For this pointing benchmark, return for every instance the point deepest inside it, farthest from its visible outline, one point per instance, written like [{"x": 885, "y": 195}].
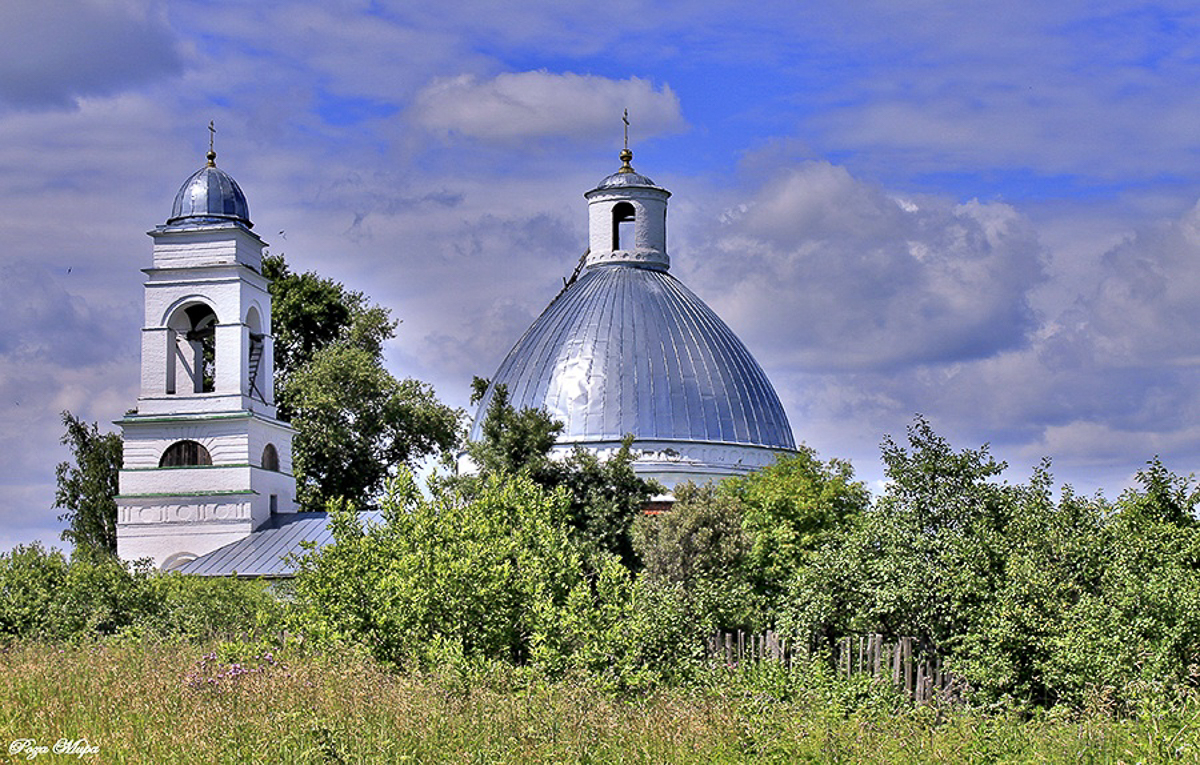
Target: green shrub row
[{"x": 46, "y": 596}]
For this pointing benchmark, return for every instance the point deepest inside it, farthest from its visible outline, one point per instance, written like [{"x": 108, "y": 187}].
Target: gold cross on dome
[{"x": 625, "y": 119}]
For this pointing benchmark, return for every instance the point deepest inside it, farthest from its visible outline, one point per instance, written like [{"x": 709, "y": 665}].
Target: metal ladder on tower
[{"x": 256, "y": 352}]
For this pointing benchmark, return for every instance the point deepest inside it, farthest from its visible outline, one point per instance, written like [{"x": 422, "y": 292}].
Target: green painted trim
[
  {"x": 205, "y": 467},
  {"x": 188, "y": 494},
  {"x": 155, "y": 419},
  {"x": 187, "y": 467}
]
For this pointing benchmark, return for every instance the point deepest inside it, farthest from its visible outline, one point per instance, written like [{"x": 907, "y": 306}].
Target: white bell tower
[{"x": 206, "y": 461}]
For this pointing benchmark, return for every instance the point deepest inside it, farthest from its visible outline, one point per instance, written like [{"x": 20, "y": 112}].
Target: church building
[
  {"x": 626, "y": 348},
  {"x": 207, "y": 485}
]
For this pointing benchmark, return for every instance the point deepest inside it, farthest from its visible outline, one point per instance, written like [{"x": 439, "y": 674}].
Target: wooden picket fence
[{"x": 907, "y": 663}]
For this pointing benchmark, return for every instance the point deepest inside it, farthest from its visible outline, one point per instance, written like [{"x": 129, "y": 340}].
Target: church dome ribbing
[
  {"x": 210, "y": 195},
  {"x": 627, "y": 348}
]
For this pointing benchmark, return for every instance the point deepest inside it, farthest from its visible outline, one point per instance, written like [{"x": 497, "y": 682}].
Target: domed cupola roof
[
  {"x": 627, "y": 348},
  {"x": 627, "y": 177},
  {"x": 632, "y": 350},
  {"x": 210, "y": 195}
]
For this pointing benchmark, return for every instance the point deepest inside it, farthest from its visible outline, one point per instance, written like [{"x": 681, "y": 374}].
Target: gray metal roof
[
  {"x": 626, "y": 179},
  {"x": 632, "y": 350},
  {"x": 210, "y": 194},
  {"x": 263, "y": 553}
]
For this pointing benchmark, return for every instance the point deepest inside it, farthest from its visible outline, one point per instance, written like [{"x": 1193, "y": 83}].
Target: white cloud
[
  {"x": 830, "y": 272},
  {"x": 521, "y": 105}
]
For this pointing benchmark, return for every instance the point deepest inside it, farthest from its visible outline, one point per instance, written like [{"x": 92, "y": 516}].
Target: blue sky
[{"x": 985, "y": 213}]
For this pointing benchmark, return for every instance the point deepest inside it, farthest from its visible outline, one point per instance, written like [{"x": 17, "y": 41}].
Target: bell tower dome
[{"x": 206, "y": 459}]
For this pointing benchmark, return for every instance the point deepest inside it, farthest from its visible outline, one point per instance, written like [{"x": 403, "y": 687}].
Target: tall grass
[{"x": 159, "y": 703}]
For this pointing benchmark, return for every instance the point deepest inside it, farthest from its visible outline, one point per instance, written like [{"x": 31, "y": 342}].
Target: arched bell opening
[
  {"x": 254, "y": 383},
  {"x": 192, "y": 367},
  {"x": 270, "y": 458},
  {"x": 623, "y": 220}
]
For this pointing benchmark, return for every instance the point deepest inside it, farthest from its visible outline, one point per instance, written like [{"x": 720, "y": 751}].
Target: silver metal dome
[
  {"x": 210, "y": 195},
  {"x": 627, "y": 178},
  {"x": 632, "y": 350}
]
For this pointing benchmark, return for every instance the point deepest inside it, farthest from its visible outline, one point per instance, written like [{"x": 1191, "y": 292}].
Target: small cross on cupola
[{"x": 212, "y": 153}]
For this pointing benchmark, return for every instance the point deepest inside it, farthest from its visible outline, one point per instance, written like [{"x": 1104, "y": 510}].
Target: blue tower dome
[{"x": 210, "y": 195}]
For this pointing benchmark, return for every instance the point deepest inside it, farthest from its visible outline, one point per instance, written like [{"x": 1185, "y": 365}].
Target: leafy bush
[
  {"x": 43, "y": 596},
  {"x": 1037, "y": 601},
  {"x": 485, "y": 578}
]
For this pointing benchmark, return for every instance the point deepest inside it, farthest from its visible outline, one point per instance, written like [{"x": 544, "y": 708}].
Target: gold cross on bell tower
[{"x": 212, "y": 135}]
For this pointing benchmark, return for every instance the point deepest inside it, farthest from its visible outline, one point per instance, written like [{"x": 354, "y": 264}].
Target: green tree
[
  {"x": 605, "y": 495},
  {"x": 925, "y": 560},
  {"x": 87, "y": 487},
  {"x": 310, "y": 312},
  {"x": 701, "y": 547},
  {"x": 1164, "y": 497},
  {"x": 512, "y": 441},
  {"x": 791, "y": 508},
  {"x": 355, "y": 422}
]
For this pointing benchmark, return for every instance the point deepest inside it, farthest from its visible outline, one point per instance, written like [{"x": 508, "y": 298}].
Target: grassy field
[{"x": 181, "y": 703}]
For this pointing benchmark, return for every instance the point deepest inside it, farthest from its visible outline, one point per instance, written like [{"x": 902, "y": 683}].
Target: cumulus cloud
[
  {"x": 1103, "y": 381},
  {"x": 54, "y": 53},
  {"x": 831, "y": 272},
  {"x": 540, "y": 104},
  {"x": 1147, "y": 304}
]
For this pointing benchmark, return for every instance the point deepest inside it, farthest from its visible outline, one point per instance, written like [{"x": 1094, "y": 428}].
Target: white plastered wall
[{"x": 649, "y": 230}]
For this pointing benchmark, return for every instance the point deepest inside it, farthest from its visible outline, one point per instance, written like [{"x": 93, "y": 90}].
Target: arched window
[
  {"x": 622, "y": 226},
  {"x": 270, "y": 458},
  {"x": 185, "y": 454}
]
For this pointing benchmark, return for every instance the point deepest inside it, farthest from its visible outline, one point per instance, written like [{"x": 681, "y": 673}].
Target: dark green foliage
[
  {"x": 736, "y": 547},
  {"x": 700, "y": 547},
  {"x": 606, "y": 496},
  {"x": 309, "y": 313},
  {"x": 514, "y": 441},
  {"x": 700, "y": 537},
  {"x": 1164, "y": 498},
  {"x": 354, "y": 421},
  {"x": 87, "y": 487}
]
